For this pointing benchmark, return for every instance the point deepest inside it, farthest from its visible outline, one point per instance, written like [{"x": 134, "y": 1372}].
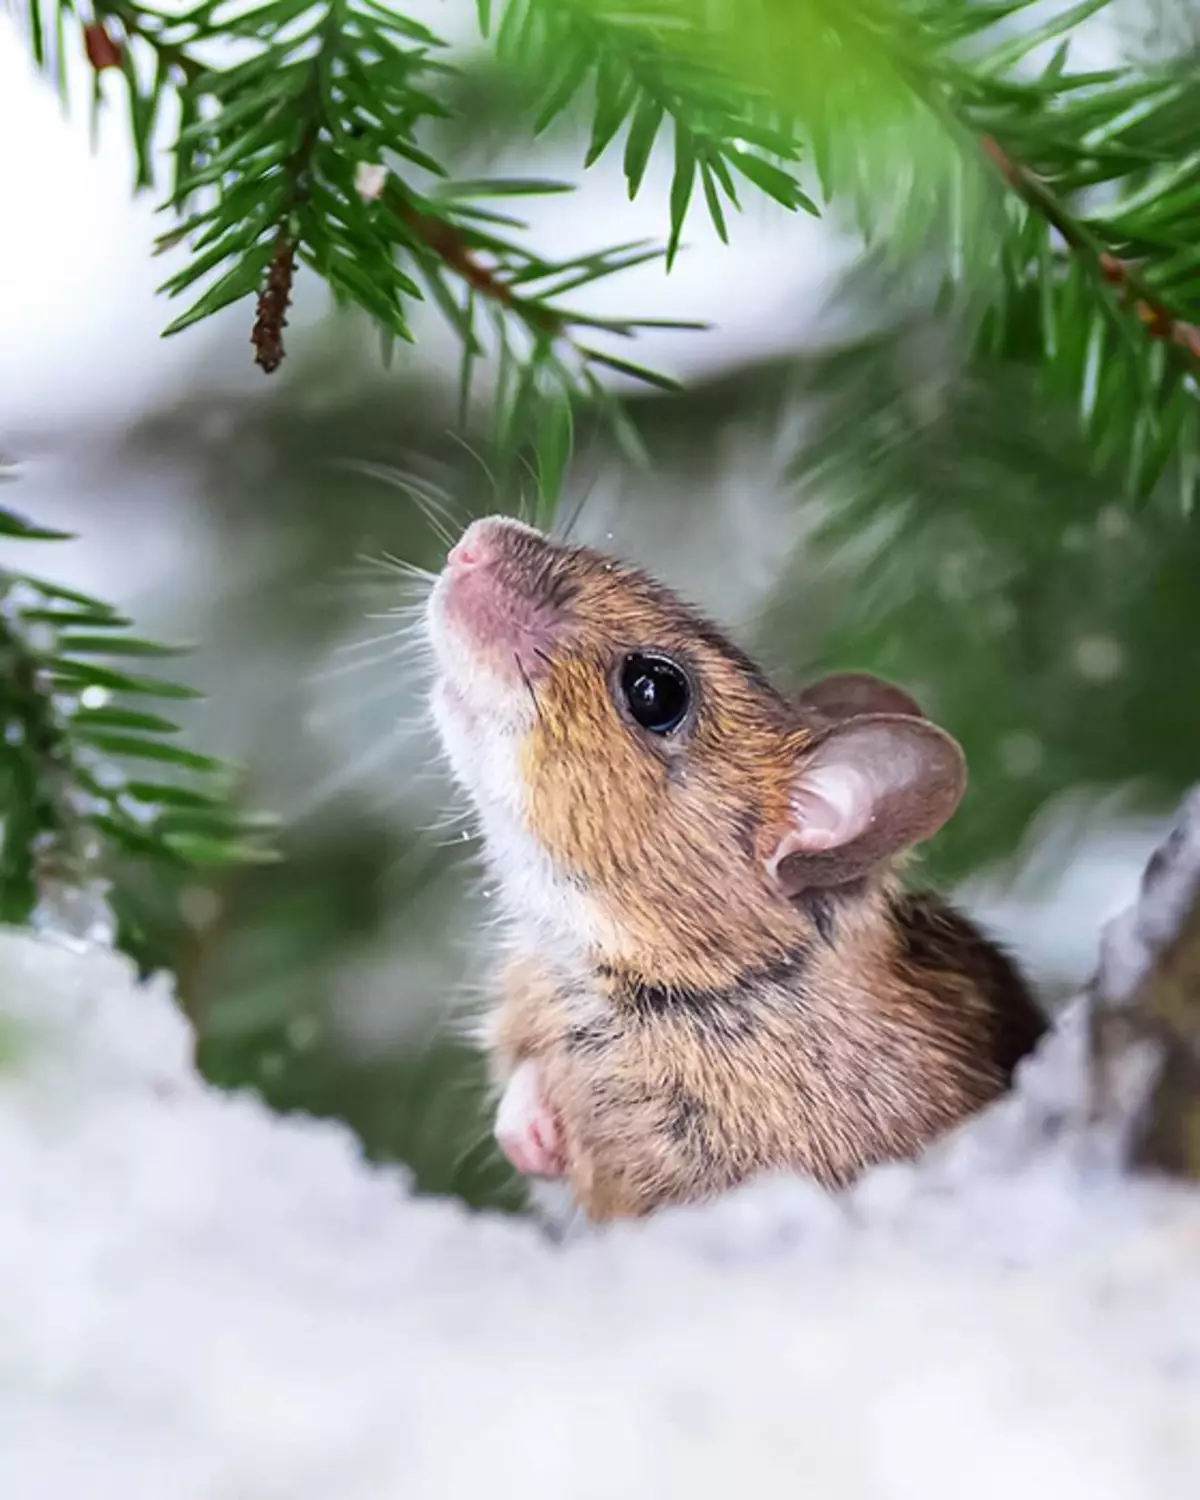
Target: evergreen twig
[
  {"x": 1159, "y": 321},
  {"x": 887, "y": 99},
  {"x": 70, "y": 740}
]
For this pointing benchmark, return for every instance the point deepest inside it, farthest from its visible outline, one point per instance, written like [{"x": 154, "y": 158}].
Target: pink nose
[
  {"x": 485, "y": 540},
  {"x": 472, "y": 548}
]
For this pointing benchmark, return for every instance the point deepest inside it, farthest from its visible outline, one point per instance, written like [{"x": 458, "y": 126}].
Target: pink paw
[{"x": 525, "y": 1127}]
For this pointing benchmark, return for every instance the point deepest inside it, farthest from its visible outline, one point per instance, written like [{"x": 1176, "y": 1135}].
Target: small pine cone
[{"x": 273, "y": 302}]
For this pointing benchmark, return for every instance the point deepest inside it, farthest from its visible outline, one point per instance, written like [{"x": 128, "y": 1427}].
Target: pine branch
[
  {"x": 297, "y": 173},
  {"x": 42, "y": 825},
  {"x": 312, "y": 152},
  {"x": 1158, "y": 320},
  {"x": 1080, "y": 269},
  {"x": 644, "y": 78},
  {"x": 71, "y": 801},
  {"x": 893, "y": 99}
]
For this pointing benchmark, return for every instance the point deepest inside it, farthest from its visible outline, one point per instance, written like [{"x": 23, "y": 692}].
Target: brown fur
[
  {"x": 664, "y": 835},
  {"x": 863, "y": 1049},
  {"x": 718, "y": 1028}
]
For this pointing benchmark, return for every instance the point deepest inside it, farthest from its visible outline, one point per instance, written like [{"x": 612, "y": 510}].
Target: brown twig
[
  {"x": 453, "y": 249},
  {"x": 450, "y": 246},
  {"x": 1159, "y": 321}
]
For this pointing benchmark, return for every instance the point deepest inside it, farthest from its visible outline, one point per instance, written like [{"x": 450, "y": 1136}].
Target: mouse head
[{"x": 644, "y": 790}]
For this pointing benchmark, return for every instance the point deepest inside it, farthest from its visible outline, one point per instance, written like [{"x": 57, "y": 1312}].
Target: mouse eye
[{"x": 656, "y": 692}]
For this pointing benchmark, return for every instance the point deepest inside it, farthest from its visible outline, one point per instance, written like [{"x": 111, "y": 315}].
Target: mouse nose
[
  {"x": 470, "y": 549},
  {"x": 482, "y": 541},
  {"x": 463, "y": 554}
]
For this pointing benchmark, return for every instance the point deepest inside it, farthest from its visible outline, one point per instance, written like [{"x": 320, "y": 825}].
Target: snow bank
[{"x": 200, "y": 1301}]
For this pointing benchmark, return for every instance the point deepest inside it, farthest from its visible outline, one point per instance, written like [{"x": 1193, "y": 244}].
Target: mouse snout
[
  {"x": 472, "y": 548},
  {"x": 483, "y": 542},
  {"x": 464, "y": 554},
  {"x": 493, "y": 594}
]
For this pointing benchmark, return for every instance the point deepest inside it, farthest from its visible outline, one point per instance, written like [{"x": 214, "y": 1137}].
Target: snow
[{"x": 202, "y": 1301}]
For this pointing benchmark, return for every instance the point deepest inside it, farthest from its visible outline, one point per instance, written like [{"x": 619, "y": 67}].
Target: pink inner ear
[
  {"x": 868, "y": 788},
  {"x": 832, "y": 806}
]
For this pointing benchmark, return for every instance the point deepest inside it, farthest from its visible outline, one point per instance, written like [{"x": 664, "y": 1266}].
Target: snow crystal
[
  {"x": 75, "y": 913},
  {"x": 202, "y": 1301},
  {"x": 370, "y": 179}
]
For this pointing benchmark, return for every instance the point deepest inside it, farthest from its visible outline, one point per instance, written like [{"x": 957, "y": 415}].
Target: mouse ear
[
  {"x": 848, "y": 695},
  {"x": 867, "y": 789}
]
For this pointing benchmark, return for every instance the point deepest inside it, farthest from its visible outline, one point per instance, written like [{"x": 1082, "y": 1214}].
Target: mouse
[{"x": 711, "y": 966}]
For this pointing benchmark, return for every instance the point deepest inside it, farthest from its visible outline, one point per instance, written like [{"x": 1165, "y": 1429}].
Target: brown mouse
[{"x": 713, "y": 970}]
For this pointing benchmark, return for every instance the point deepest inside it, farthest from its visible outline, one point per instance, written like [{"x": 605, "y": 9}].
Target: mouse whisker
[
  {"x": 391, "y": 638},
  {"x": 474, "y": 453},
  {"x": 573, "y": 519},
  {"x": 434, "y": 506}
]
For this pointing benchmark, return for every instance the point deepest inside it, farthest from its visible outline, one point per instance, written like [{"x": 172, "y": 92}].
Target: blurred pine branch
[
  {"x": 965, "y": 542},
  {"x": 959, "y": 136},
  {"x": 87, "y": 774}
]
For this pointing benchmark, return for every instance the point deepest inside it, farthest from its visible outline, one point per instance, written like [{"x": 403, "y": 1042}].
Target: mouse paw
[{"x": 526, "y": 1128}]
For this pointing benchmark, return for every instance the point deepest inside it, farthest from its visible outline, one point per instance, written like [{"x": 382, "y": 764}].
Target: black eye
[{"x": 656, "y": 691}]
